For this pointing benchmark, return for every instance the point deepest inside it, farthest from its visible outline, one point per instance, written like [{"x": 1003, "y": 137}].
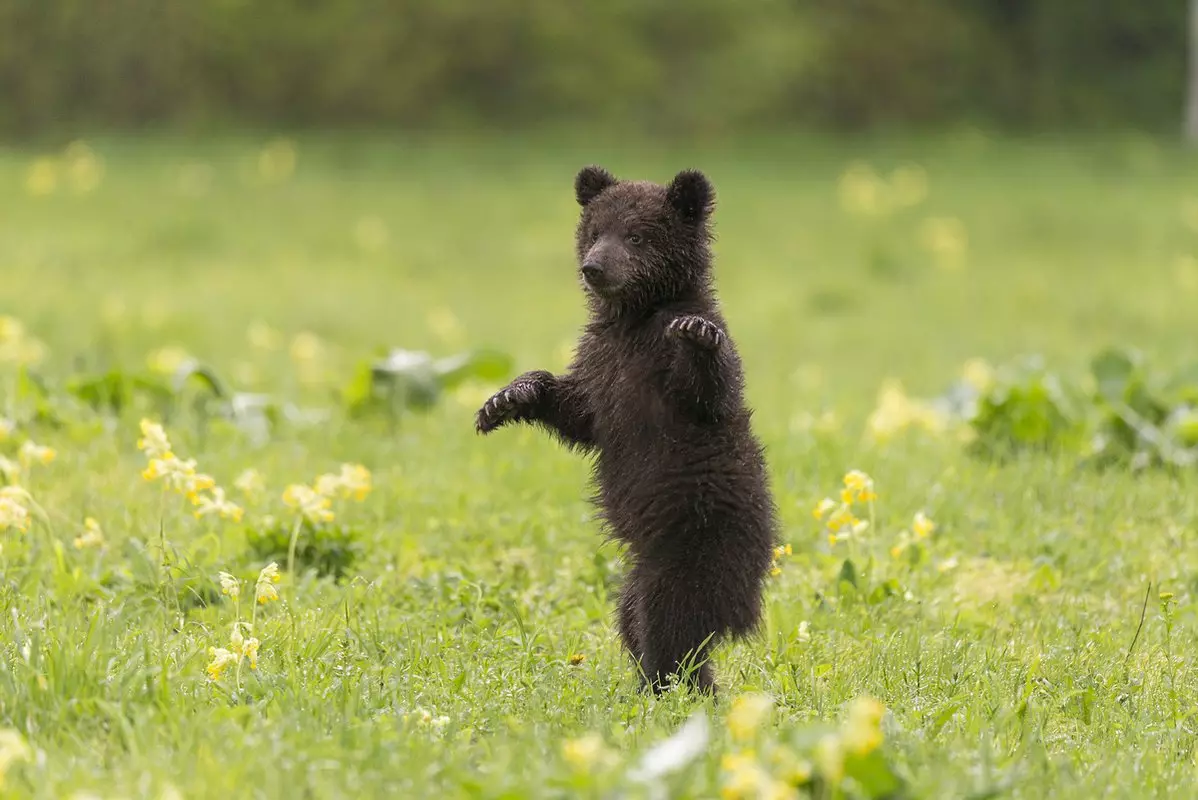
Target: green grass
[{"x": 483, "y": 571}]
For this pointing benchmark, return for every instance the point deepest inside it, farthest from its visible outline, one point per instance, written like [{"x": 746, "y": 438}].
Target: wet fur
[{"x": 656, "y": 395}]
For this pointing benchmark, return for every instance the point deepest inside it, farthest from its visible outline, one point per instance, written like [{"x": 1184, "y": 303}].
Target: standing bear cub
[{"x": 656, "y": 393}]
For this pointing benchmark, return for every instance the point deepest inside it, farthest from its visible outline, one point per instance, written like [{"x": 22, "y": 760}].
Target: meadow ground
[{"x": 468, "y": 650}]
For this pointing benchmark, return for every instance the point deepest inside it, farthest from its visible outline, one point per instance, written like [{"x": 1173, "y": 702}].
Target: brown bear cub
[{"x": 656, "y": 393}]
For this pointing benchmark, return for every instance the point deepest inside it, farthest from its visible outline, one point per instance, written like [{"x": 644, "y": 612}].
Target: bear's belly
[{"x": 655, "y": 490}]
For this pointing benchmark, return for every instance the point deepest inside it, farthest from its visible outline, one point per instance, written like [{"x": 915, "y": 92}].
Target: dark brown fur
[{"x": 656, "y": 392}]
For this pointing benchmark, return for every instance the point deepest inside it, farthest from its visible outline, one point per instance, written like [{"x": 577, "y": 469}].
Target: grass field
[{"x": 469, "y": 650}]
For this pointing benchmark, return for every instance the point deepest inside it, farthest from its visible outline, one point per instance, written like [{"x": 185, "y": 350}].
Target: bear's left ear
[{"x": 691, "y": 195}]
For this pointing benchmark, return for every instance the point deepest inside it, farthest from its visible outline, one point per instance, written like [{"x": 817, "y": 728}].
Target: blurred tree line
[{"x": 700, "y": 64}]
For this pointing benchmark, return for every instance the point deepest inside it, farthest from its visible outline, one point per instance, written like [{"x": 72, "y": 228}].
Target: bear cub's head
[{"x": 641, "y": 244}]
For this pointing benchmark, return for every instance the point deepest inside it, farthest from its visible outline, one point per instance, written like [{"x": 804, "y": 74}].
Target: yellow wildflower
[
  {"x": 264, "y": 590},
  {"x": 236, "y": 640},
  {"x": 250, "y": 650},
  {"x": 31, "y": 453},
  {"x": 176, "y": 473},
  {"x": 858, "y": 488},
  {"x": 312, "y": 505},
  {"x": 804, "y": 634},
  {"x": 167, "y": 360},
  {"x": 196, "y": 483},
  {"x": 250, "y": 483},
  {"x": 93, "y": 535},
  {"x": 222, "y": 659},
  {"x": 230, "y": 585},
  {"x": 263, "y": 337},
  {"x": 824, "y": 506},
  {"x": 327, "y": 485},
  {"x": 9, "y": 469},
  {"x": 923, "y": 526},
  {"x": 355, "y": 481},
  {"x": 217, "y": 504},
  {"x": 585, "y": 753},
  {"x": 747, "y": 714},
  {"x": 842, "y": 519},
  {"x": 13, "y": 514},
  {"x": 862, "y": 730},
  {"x": 829, "y": 754},
  {"x": 13, "y": 748},
  {"x": 154, "y": 442},
  {"x": 576, "y": 659},
  {"x": 352, "y": 481}
]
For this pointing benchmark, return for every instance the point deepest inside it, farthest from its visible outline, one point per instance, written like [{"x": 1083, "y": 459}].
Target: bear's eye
[
  {"x": 593, "y": 237},
  {"x": 634, "y": 238}
]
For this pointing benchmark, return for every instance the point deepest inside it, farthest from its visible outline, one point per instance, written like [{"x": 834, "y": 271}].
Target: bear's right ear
[{"x": 590, "y": 183}]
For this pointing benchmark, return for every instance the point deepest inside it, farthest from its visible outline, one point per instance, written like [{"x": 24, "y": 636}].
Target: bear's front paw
[
  {"x": 517, "y": 399},
  {"x": 697, "y": 330}
]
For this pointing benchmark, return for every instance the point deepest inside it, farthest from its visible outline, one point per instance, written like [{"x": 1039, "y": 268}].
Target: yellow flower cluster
[
  {"x": 93, "y": 535},
  {"x": 859, "y": 735},
  {"x": 839, "y": 519},
  {"x": 779, "y": 552},
  {"x": 744, "y": 774},
  {"x": 16, "y": 345},
  {"x": 13, "y": 512},
  {"x": 587, "y": 753},
  {"x": 240, "y": 647},
  {"x": 921, "y": 528},
  {"x": 314, "y": 503},
  {"x": 181, "y": 476},
  {"x": 31, "y": 454},
  {"x": 13, "y": 749},
  {"x": 896, "y": 412}
]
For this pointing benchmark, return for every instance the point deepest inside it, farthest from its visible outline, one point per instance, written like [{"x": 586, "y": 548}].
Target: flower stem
[{"x": 299, "y": 524}]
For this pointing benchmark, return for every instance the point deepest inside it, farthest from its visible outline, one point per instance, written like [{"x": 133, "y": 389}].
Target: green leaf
[
  {"x": 848, "y": 573},
  {"x": 1114, "y": 370}
]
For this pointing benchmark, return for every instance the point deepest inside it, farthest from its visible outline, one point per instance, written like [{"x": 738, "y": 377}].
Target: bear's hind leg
[{"x": 680, "y": 630}]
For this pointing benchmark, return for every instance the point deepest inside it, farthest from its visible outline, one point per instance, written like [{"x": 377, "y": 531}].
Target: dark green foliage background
[{"x": 704, "y": 65}]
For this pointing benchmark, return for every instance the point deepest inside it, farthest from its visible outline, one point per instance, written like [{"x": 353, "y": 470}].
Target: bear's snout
[{"x": 594, "y": 274}]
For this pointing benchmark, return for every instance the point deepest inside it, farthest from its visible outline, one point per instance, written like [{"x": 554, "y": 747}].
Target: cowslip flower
[
  {"x": 222, "y": 659},
  {"x": 13, "y": 748},
  {"x": 858, "y": 488},
  {"x": 862, "y": 730},
  {"x": 13, "y": 514},
  {"x": 9, "y": 469},
  {"x": 264, "y": 590},
  {"x": 250, "y": 651},
  {"x": 842, "y": 519},
  {"x": 218, "y": 505},
  {"x": 823, "y": 508},
  {"x": 154, "y": 442},
  {"x": 804, "y": 633},
  {"x": 230, "y": 585},
  {"x": 250, "y": 483},
  {"x": 748, "y": 713},
  {"x": 586, "y": 752},
  {"x": 31, "y": 453},
  {"x": 922, "y": 525},
  {"x": 93, "y": 535},
  {"x": 355, "y": 481},
  {"x": 312, "y": 505},
  {"x": 195, "y": 483}
]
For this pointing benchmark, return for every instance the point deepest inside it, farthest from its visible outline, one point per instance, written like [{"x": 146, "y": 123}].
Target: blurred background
[
  {"x": 705, "y": 67},
  {"x": 920, "y": 182}
]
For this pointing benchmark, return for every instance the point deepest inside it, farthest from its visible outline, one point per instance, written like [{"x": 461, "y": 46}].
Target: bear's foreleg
[{"x": 553, "y": 402}]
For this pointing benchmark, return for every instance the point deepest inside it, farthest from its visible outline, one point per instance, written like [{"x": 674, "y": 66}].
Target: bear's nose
[{"x": 592, "y": 273}]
